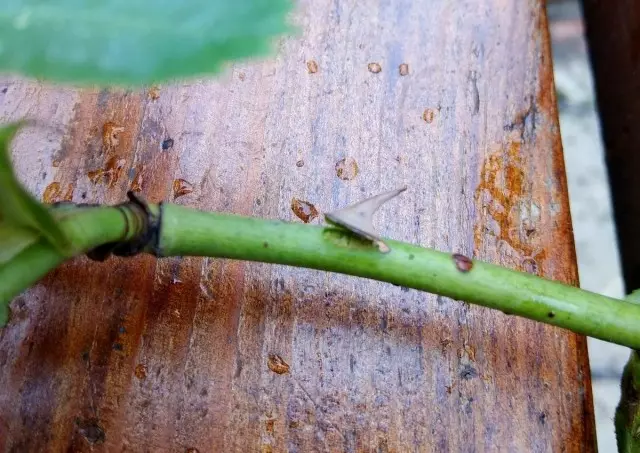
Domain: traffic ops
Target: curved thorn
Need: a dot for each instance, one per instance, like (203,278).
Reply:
(358,218)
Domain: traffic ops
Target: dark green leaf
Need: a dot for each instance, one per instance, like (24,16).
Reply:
(18,210)
(133,41)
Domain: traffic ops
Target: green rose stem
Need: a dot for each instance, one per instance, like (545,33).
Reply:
(189,232)
(86,228)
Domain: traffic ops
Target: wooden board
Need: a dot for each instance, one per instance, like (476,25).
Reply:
(613,34)
(143,355)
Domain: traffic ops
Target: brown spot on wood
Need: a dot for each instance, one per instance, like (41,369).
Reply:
(277,364)
(51,193)
(242,76)
(300,164)
(304,210)
(138,179)
(312,66)
(347,169)
(403,69)
(114,169)
(110,132)
(154,93)
(269,425)
(192,450)
(55,163)
(266,448)
(374,67)
(110,174)
(463,263)
(140,371)
(428,115)
(181,187)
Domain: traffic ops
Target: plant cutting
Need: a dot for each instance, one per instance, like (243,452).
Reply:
(348,244)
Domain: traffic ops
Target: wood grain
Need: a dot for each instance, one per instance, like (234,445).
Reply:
(143,355)
(613,34)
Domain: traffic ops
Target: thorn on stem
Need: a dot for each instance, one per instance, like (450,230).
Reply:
(358,218)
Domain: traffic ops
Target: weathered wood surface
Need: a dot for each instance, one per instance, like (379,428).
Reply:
(145,355)
(613,34)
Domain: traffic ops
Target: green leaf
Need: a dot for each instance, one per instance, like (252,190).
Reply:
(133,41)
(18,210)
(13,240)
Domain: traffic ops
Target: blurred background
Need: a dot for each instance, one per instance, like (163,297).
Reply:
(589,197)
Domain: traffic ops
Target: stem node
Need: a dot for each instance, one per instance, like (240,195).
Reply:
(142,231)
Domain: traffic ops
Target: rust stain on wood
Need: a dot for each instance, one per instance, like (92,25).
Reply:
(141,371)
(277,364)
(181,187)
(304,210)
(110,174)
(52,193)
(312,66)
(428,116)
(154,93)
(347,169)
(504,197)
(110,133)
(374,67)
(138,178)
